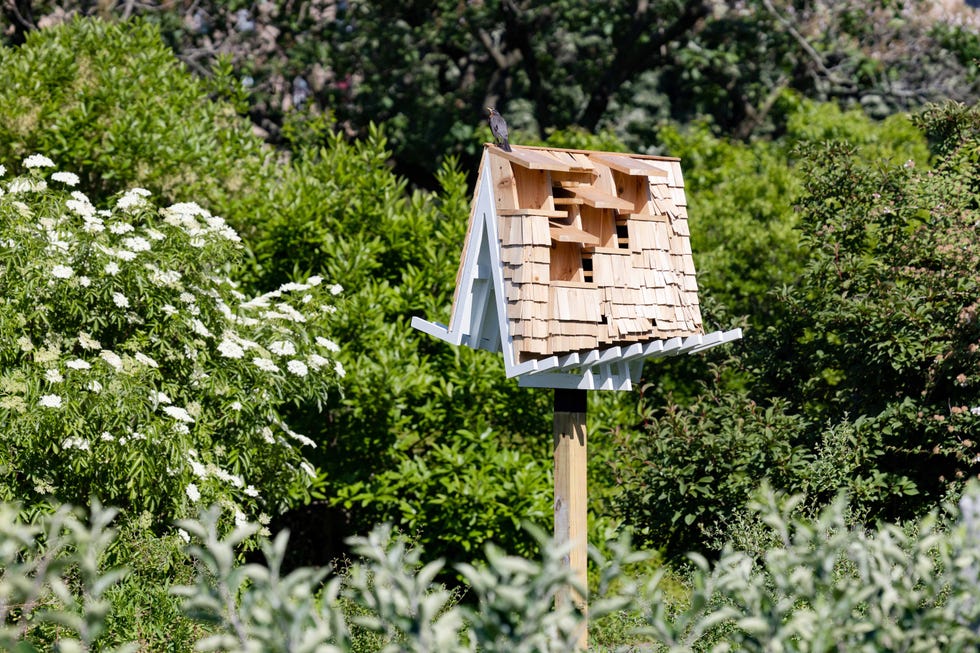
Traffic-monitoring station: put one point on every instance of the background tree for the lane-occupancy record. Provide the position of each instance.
(427, 69)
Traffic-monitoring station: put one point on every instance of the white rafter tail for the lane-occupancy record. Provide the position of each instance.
(723, 338)
(436, 330)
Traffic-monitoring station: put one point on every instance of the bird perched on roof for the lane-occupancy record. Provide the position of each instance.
(498, 127)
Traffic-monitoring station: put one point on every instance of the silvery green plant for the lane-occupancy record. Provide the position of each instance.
(50, 577)
(392, 596)
(828, 586)
(131, 366)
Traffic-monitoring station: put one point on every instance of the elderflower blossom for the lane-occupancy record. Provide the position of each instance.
(67, 178)
(120, 228)
(179, 414)
(62, 272)
(192, 492)
(299, 437)
(198, 470)
(87, 341)
(76, 443)
(84, 209)
(327, 344)
(50, 401)
(336, 289)
(112, 358)
(38, 161)
(251, 491)
(21, 185)
(111, 268)
(137, 244)
(120, 300)
(317, 361)
(78, 364)
(53, 376)
(265, 364)
(297, 367)
(146, 360)
(230, 349)
(308, 468)
(339, 369)
(266, 434)
(282, 347)
(133, 198)
(198, 327)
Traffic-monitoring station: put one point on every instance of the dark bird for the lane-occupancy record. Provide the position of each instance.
(498, 127)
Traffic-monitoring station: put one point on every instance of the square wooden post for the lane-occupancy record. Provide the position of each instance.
(571, 509)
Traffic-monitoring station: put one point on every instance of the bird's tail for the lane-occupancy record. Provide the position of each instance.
(505, 146)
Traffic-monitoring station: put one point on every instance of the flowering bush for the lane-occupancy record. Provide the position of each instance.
(130, 365)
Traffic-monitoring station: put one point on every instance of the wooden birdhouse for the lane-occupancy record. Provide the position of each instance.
(577, 266)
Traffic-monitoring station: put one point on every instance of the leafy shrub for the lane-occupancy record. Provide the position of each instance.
(880, 328)
(744, 226)
(411, 404)
(819, 584)
(692, 468)
(43, 568)
(132, 368)
(112, 103)
(827, 585)
(873, 311)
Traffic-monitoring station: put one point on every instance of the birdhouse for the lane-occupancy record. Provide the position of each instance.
(577, 266)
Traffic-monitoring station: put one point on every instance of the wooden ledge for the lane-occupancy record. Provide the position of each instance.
(630, 166)
(530, 159)
(596, 198)
(519, 213)
(567, 234)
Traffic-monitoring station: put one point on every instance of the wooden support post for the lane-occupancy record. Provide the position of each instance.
(571, 512)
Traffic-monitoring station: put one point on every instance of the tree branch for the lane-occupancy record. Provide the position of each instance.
(810, 51)
(20, 13)
(643, 48)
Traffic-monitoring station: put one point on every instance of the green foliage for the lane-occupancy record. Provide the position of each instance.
(693, 466)
(335, 210)
(468, 489)
(709, 429)
(826, 585)
(52, 586)
(389, 593)
(110, 101)
(742, 197)
(132, 368)
(818, 584)
(406, 457)
(881, 324)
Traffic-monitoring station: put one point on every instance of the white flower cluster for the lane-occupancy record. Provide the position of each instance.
(198, 223)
